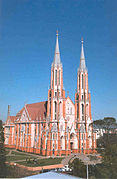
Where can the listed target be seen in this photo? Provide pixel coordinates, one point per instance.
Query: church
(57, 126)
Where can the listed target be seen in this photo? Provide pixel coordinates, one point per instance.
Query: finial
(57, 33)
(82, 40)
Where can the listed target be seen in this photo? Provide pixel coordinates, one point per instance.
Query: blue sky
(27, 44)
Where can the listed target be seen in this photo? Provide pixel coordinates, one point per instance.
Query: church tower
(56, 102)
(83, 107)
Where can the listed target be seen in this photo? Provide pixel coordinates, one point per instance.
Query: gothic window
(71, 110)
(50, 107)
(79, 82)
(85, 82)
(82, 109)
(77, 97)
(55, 116)
(55, 77)
(38, 129)
(50, 94)
(59, 76)
(55, 107)
(68, 110)
(82, 81)
(60, 108)
(35, 130)
(27, 128)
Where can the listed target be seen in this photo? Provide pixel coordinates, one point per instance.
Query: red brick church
(57, 126)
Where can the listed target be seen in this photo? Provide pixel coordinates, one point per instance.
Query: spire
(82, 50)
(57, 53)
(82, 58)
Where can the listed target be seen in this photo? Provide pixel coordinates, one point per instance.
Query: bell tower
(56, 93)
(56, 104)
(83, 106)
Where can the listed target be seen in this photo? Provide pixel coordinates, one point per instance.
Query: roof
(53, 175)
(82, 59)
(57, 59)
(70, 100)
(37, 110)
(11, 119)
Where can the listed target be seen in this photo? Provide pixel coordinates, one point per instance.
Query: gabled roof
(70, 100)
(11, 119)
(37, 110)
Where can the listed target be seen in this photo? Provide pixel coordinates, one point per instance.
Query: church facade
(56, 126)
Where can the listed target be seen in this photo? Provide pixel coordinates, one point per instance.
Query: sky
(27, 45)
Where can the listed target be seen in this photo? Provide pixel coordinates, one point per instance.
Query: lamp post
(87, 171)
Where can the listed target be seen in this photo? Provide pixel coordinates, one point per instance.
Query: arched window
(82, 81)
(55, 106)
(79, 82)
(71, 111)
(85, 81)
(55, 77)
(60, 108)
(82, 109)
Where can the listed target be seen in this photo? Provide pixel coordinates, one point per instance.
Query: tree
(79, 169)
(108, 124)
(107, 147)
(2, 153)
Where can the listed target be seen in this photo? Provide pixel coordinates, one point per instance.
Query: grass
(17, 157)
(41, 162)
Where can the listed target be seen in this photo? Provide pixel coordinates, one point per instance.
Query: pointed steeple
(82, 58)
(57, 59)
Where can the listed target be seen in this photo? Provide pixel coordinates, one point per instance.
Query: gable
(70, 107)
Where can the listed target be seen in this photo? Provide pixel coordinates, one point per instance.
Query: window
(82, 81)
(27, 128)
(59, 76)
(55, 116)
(55, 107)
(82, 109)
(85, 82)
(82, 97)
(55, 93)
(82, 136)
(71, 110)
(55, 77)
(50, 107)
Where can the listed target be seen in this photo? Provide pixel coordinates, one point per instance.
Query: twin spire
(57, 59)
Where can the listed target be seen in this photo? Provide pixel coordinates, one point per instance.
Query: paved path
(84, 158)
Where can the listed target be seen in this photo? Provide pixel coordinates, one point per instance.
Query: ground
(34, 160)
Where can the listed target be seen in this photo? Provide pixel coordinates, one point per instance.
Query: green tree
(2, 153)
(107, 147)
(79, 169)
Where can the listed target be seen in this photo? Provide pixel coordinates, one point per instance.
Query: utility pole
(87, 171)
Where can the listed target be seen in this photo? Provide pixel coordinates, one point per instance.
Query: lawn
(17, 157)
(41, 162)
